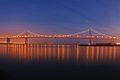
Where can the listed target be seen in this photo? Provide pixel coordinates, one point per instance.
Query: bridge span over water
(28, 34)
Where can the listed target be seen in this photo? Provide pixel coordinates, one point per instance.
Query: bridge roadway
(64, 37)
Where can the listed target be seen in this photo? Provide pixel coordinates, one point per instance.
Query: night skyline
(59, 39)
(59, 16)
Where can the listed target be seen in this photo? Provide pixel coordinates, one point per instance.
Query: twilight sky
(59, 16)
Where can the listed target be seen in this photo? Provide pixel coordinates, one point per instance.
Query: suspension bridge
(26, 35)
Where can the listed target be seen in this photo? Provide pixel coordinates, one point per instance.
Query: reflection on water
(60, 53)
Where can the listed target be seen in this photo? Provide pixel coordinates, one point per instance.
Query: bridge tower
(26, 37)
(90, 34)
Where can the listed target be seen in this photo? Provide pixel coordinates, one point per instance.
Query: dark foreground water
(59, 62)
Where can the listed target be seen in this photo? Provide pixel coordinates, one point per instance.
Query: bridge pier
(26, 41)
(7, 40)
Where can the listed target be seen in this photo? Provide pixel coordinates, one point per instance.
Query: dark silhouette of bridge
(28, 34)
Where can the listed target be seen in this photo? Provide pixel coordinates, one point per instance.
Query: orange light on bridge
(118, 43)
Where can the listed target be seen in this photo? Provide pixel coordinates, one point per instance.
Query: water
(45, 61)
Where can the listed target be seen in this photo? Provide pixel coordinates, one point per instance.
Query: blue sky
(59, 16)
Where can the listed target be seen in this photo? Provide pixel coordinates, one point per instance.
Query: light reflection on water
(61, 53)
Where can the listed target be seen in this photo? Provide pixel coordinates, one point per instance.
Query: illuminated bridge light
(97, 36)
(63, 35)
(117, 43)
(67, 35)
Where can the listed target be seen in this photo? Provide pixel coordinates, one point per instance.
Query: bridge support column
(7, 40)
(90, 34)
(26, 41)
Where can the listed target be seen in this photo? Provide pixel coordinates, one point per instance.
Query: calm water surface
(45, 61)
